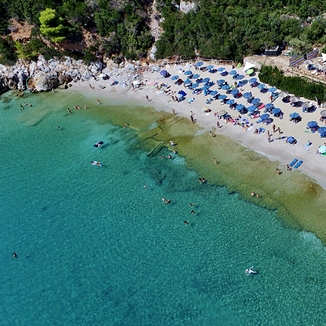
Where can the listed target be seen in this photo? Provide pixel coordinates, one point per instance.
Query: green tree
(7, 51)
(52, 25)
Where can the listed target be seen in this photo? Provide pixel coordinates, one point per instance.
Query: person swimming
(250, 271)
(96, 163)
(15, 255)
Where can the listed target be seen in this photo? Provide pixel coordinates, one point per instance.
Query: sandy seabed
(232, 155)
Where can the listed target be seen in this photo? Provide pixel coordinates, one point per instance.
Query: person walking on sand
(98, 101)
(274, 128)
(215, 161)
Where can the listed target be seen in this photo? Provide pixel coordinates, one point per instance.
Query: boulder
(3, 85)
(44, 81)
(21, 80)
(12, 81)
(64, 78)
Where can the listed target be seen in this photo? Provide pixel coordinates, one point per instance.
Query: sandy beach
(158, 92)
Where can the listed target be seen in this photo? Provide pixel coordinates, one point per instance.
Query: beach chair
(293, 162)
(298, 164)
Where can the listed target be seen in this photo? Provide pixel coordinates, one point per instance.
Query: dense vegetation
(226, 29)
(121, 25)
(233, 29)
(294, 85)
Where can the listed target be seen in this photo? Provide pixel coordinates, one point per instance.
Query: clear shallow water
(96, 247)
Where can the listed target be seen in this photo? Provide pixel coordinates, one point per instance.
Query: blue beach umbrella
(294, 115)
(256, 100)
(252, 80)
(220, 69)
(233, 72)
(239, 77)
(195, 85)
(220, 81)
(252, 108)
(264, 116)
(175, 77)
(229, 102)
(195, 76)
(210, 67)
(269, 106)
(290, 139)
(323, 134)
(261, 86)
(222, 97)
(187, 81)
(199, 64)
(312, 124)
(247, 95)
(206, 80)
(164, 73)
(224, 73)
(235, 92)
(242, 82)
(239, 107)
(188, 73)
(276, 111)
(225, 87)
(214, 93)
(272, 89)
(321, 130)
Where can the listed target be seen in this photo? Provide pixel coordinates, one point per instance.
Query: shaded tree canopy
(223, 29)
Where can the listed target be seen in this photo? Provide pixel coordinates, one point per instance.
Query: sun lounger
(293, 162)
(298, 164)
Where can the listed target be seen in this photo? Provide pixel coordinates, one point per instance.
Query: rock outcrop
(44, 75)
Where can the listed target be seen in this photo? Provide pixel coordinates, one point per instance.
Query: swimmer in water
(250, 271)
(15, 255)
(166, 201)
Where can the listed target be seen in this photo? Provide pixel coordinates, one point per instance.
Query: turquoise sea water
(96, 247)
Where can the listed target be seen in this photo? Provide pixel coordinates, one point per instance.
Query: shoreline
(277, 150)
(238, 159)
